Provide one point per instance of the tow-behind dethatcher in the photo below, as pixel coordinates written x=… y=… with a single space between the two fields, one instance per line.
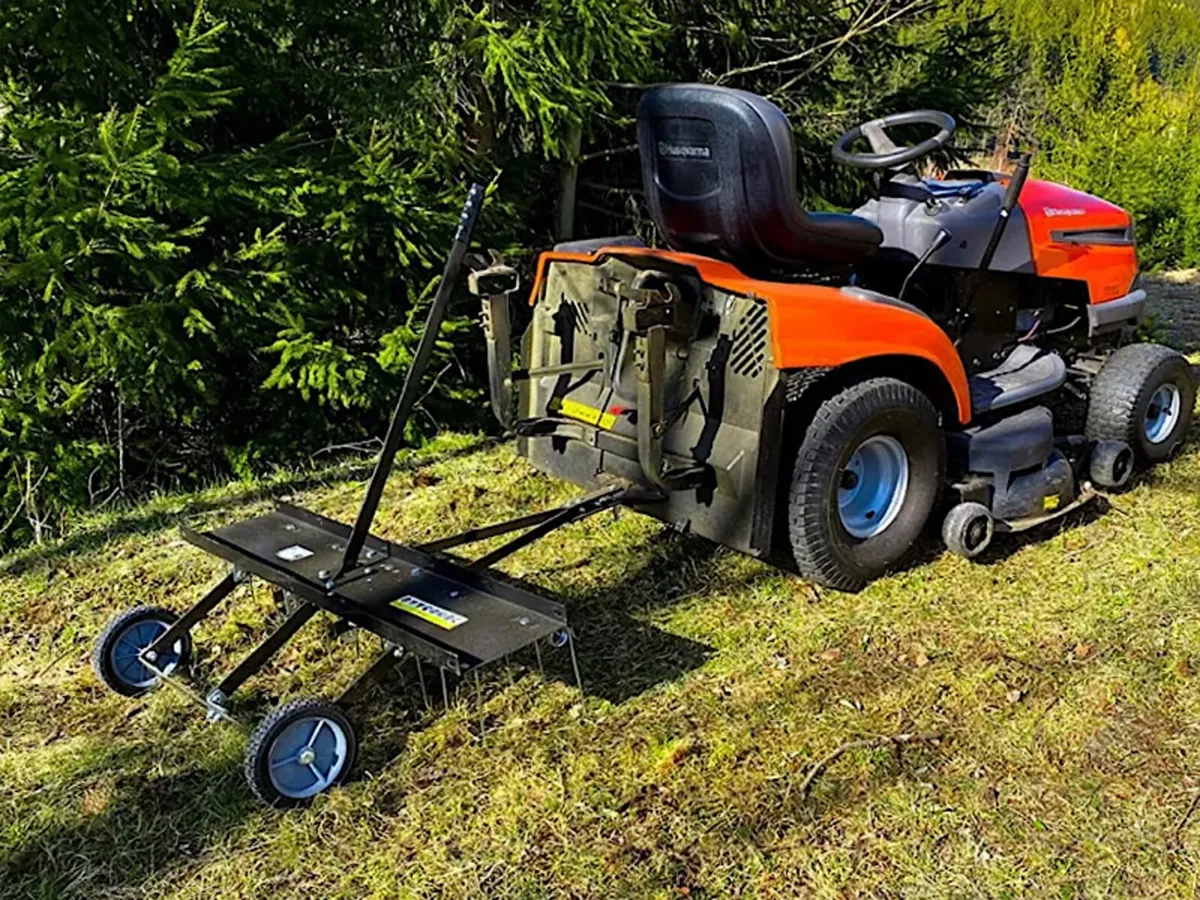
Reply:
x=814 y=389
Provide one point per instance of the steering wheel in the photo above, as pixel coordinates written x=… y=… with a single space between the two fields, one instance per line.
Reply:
x=887 y=155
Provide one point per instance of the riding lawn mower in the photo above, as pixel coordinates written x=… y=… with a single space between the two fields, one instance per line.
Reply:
x=814 y=389
x=806 y=387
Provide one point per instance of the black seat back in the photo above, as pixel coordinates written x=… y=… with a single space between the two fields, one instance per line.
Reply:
x=718 y=167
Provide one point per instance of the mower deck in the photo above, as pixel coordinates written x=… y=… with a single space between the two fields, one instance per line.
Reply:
x=443 y=612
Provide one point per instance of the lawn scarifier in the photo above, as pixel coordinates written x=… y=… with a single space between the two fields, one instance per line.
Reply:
x=428 y=606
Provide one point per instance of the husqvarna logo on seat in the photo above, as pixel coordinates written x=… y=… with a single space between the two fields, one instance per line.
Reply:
x=684 y=151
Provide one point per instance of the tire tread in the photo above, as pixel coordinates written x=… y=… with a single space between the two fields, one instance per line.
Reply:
x=1116 y=392
x=264 y=734
x=813 y=554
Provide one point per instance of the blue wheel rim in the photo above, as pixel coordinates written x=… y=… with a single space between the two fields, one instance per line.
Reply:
x=1163 y=413
x=307 y=757
x=127 y=648
x=873 y=486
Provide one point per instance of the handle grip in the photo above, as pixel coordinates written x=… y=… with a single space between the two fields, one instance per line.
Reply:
x=1016 y=183
x=470 y=212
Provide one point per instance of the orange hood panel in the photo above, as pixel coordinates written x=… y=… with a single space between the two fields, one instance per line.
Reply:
x=811 y=325
x=1054 y=211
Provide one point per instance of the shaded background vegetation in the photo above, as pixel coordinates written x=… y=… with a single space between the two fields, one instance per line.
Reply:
x=219 y=224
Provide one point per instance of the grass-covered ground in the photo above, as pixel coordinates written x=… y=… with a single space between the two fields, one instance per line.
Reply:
x=1063 y=673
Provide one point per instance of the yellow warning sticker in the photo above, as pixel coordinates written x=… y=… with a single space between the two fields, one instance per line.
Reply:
x=1051 y=503
x=422 y=609
x=573 y=409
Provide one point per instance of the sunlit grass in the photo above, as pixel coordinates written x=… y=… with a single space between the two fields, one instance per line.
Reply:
x=1064 y=672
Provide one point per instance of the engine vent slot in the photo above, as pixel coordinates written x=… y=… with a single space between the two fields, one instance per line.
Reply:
x=749 y=353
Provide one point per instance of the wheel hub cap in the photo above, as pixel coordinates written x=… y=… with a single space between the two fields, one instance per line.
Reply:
x=307 y=757
x=873 y=486
x=127 y=649
x=1162 y=414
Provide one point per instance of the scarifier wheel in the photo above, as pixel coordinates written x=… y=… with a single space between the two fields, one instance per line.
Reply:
x=302 y=749
x=115 y=656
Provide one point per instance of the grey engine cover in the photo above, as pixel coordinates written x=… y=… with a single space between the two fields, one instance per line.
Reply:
x=912 y=225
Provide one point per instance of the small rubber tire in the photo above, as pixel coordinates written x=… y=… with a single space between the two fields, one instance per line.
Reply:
x=281 y=724
x=968 y=529
x=824 y=550
x=1111 y=464
x=1121 y=396
x=115 y=672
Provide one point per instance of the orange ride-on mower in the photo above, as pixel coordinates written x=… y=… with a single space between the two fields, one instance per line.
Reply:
x=808 y=387
x=801 y=387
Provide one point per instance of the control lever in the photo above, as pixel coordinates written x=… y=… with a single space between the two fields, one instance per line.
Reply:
x=1011 y=196
x=940 y=240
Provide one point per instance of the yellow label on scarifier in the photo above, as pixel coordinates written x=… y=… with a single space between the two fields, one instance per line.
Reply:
x=422 y=609
x=1051 y=503
x=572 y=409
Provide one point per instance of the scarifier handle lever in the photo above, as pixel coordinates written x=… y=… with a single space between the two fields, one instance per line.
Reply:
x=412 y=381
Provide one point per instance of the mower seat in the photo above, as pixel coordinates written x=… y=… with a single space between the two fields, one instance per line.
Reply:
x=719 y=172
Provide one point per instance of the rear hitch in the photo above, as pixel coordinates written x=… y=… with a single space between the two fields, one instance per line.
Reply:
x=657 y=306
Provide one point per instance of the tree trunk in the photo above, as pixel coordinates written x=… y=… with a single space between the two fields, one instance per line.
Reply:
x=568 y=184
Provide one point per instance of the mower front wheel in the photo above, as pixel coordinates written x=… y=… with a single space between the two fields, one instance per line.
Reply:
x=1144 y=395
x=865 y=481
x=968 y=529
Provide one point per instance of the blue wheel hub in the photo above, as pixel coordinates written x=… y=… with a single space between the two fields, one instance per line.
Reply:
x=307 y=757
x=127 y=649
x=1163 y=413
x=873 y=486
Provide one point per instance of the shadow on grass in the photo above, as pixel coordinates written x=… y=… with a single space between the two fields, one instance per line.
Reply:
x=140 y=521
x=145 y=826
x=621 y=656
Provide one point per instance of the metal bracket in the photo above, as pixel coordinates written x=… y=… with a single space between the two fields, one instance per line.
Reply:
x=215 y=708
x=494 y=286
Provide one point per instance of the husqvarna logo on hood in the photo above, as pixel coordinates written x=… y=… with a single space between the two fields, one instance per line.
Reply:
x=684 y=151
x=1052 y=211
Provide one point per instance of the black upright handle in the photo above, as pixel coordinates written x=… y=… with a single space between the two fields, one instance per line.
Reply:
x=412 y=381
x=1015 y=184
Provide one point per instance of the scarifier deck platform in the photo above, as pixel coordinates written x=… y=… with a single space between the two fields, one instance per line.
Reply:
x=443 y=612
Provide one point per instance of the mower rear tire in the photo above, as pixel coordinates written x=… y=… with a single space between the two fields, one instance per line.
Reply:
x=865 y=481
x=1144 y=395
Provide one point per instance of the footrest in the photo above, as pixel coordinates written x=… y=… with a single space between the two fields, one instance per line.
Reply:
x=1028 y=372
x=447 y=614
